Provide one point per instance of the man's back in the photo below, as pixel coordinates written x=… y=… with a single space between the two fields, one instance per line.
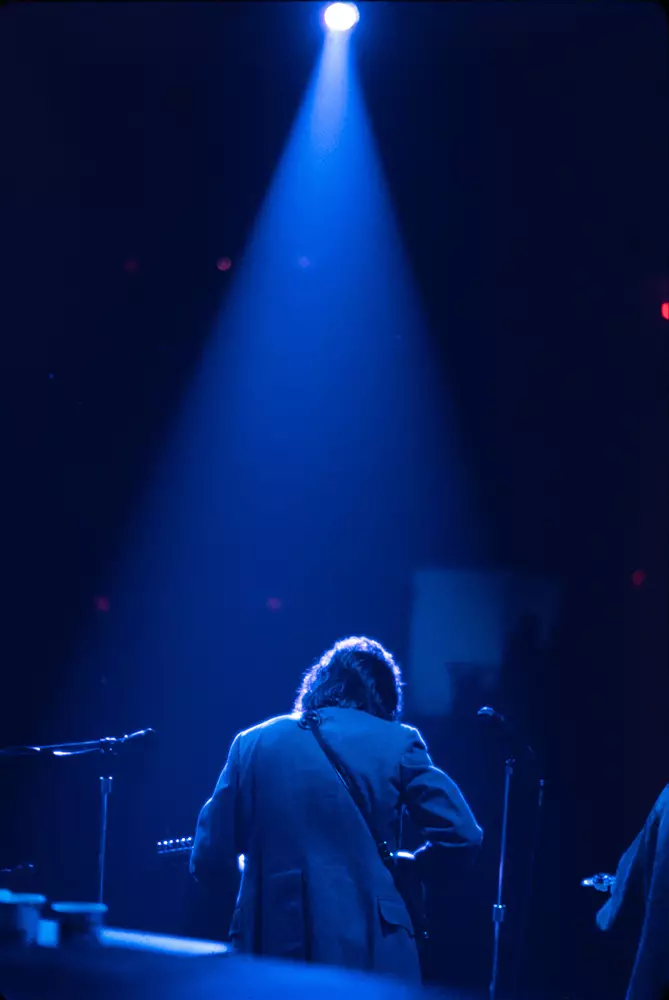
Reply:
x=314 y=885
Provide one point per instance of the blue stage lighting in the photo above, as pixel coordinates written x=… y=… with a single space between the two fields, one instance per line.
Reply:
x=341 y=16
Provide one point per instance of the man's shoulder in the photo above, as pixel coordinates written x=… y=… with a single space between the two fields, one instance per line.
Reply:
x=412 y=735
x=393 y=733
x=404 y=734
x=274 y=724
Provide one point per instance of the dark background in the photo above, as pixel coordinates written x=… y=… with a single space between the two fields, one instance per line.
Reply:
x=525 y=148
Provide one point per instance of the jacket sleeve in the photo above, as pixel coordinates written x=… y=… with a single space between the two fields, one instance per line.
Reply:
x=629 y=872
x=639 y=870
x=435 y=804
x=216 y=843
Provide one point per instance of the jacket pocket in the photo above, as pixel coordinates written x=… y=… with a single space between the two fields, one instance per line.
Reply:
x=284 y=924
x=394 y=914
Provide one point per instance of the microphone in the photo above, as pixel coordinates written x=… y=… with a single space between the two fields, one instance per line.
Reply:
x=110 y=742
x=513 y=739
x=134 y=736
x=491 y=714
x=74 y=749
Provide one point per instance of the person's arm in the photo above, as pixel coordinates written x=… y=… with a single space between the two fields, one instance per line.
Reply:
x=216 y=847
x=629 y=871
x=633 y=873
x=435 y=804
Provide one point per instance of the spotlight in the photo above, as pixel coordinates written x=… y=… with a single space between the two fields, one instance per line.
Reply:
x=341 y=16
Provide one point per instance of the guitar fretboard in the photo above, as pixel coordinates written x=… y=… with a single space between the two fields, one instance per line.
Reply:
x=184 y=845
x=179 y=845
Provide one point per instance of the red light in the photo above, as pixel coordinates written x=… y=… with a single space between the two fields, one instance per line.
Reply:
x=273 y=603
x=224 y=263
x=304 y=262
x=101 y=603
x=665 y=310
x=638 y=577
x=130 y=266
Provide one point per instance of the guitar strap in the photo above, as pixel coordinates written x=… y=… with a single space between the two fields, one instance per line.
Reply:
x=312 y=721
x=409 y=889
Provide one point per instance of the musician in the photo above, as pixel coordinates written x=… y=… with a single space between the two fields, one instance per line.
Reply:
x=314 y=887
x=643 y=874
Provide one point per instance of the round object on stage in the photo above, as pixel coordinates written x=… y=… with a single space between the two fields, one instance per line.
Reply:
x=19 y=917
x=79 y=923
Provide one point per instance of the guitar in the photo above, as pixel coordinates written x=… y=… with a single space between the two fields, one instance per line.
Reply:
x=183 y=846
x=402 y=865
x=179 y=845
x=408 y=879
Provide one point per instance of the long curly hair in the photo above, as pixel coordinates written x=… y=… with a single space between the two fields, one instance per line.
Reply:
x=356 y=673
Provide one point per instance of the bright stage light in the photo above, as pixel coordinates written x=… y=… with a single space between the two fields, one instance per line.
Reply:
x=341 y=16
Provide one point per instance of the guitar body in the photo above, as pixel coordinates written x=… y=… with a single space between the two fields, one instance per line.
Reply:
x=403 y=866
x=409 y=883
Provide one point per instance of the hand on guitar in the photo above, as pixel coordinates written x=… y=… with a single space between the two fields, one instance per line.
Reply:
x=601 y=882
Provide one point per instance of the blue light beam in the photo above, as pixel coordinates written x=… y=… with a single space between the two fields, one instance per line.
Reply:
x=308 y=443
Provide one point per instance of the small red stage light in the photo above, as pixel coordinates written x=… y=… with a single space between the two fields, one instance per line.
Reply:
x=101 y=603
x=665 y=310
x=223 y=263
x=130 y=266
x=273 y=603
x=638 y=577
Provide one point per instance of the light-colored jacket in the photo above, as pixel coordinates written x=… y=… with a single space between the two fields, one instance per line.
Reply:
x=314 y=887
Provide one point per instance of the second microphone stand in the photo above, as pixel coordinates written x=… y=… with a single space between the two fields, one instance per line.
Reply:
x=513 y=744
x=499 y=909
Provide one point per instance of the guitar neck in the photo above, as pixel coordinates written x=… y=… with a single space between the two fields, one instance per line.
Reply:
x=182 y=846
x=177 y=845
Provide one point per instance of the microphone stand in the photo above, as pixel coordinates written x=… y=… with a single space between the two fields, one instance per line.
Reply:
x=108 y=746
x=528 y=887
x=499 y=909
